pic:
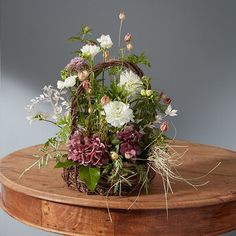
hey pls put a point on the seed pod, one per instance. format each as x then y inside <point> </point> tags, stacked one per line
<point>122,15</point>
<point>105,100</point>
<point>129,46</point>
<point>167,101</point>
<point>164,126</point>
<point>128,37</point>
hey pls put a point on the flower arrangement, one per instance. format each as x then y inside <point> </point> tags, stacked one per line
<point>112,124</point>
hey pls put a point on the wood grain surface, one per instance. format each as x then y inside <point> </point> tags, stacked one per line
<point>41,198</point>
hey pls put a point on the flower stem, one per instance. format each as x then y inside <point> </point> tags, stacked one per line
<point>121,22</point>
<point>52,122</point>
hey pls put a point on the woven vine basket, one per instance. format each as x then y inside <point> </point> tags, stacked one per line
<point>71,175</point>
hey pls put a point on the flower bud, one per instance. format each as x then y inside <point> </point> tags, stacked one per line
<point>87,86</point>
<point>83,75</point>
<point>164,126</point>
<point>89,110</point>
<point>163,96</point>
<point>143,92</point>
<point>129,46</point>
<point>127,37</point>
<point>149,92</point>
<point>114,155</point>
<point>130,154</point>
<point>105,100</point>
<point>122,15</point>
<point>167,101</point>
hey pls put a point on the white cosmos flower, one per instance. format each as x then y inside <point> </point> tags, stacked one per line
<point>131,82</point>
<point>105,41</point>
<point>90,50</point>
<point>70,81</point>
<point>118,113</point>
<point>60,84</point>
<point>170,112</point>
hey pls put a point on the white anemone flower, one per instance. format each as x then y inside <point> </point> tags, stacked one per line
<point>118,113</point>
<point>105,41</point>
<point>170,112</point>
<point>90,50</point>
<point>132,82</point>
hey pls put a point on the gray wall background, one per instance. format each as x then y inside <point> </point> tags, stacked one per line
<point>191,44</point>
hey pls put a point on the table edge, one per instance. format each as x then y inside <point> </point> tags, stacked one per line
<point>112,203</point>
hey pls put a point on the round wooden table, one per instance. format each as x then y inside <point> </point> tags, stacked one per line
<point>41,199</point>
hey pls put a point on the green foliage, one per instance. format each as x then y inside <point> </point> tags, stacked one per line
<point>90,175</point>
<point>117,93</point>
<point>138,59</point>
<point>64,74</point>
<point>85,30</point>
<point>65,124</point>
<point>65,164</point>
<point>145,111</point>
<point>81,37</point>
<point>50,146</point>
<point>115,70</point>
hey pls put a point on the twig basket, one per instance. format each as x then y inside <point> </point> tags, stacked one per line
<point>71,175</point>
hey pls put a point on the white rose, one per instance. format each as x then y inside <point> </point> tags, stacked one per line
<point>131,82</point>
<point>118,113</point>
<point>90,50</point>
<point>60,84</point>
<point>105,41</point>
<point>70,81</point>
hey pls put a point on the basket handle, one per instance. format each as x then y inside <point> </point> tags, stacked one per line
<point>99,67</point>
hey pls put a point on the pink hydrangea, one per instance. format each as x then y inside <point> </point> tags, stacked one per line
<point>87,150</point>
<point>76,64</point>
<point>130,138</point>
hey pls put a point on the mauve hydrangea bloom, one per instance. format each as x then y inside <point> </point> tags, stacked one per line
<point>76,64</point>
<point>87,150</point>
<point>129,135</point>
<point>130,146</point>
<point>129,150</point>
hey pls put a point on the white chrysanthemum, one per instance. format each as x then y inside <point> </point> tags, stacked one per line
<point>105,41</point>
<point>70,81</point>
<point>118,113</point>
<point>131,82</point>
<point>90,50</point>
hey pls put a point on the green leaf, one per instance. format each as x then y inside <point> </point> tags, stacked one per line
<point>85,30</point>
<point>82,40</point>
<point>66,164</point>
<point>64,74</point>
<point>90,175</point>
<point>139,59</point>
